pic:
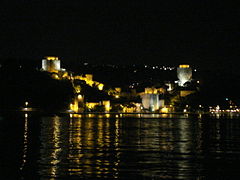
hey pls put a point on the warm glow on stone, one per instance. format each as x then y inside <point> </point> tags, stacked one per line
<point>100,86</point>
<point>184,66</point>
<point>51,58</point>
<point>164,110</point>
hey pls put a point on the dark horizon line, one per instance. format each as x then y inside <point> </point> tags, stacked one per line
<point>221,64</point>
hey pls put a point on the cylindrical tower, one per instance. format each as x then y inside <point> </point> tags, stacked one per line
<point>51,64</point>
<point>184,74</point>
<point>150,101</point>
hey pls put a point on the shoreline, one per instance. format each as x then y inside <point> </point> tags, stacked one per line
<point>37,111</point>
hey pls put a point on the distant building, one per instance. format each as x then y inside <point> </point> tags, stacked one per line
<point>184,74</point>
<point>170,86</point>
<point>153,90</point>
<point>51,64</point>
<point>186,93</point>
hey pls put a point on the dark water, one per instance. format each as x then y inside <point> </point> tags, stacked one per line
<point>180,147</point>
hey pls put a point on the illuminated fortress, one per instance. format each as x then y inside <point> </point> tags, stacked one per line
<point>152,97</point>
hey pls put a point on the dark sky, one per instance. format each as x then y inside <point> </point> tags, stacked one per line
<point>167,32</point>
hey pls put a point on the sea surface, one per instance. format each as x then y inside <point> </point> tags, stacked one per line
<point>198,147</point>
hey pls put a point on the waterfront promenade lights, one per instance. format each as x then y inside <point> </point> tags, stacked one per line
<point>25,107</point>
<point>230,103</point>
<point>26,104</point>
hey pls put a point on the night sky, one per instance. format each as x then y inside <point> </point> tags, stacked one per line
<point>167,32</point>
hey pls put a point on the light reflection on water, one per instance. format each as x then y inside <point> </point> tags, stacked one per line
<point>197,147</point>
<point>109,148</point>
<point>25,141</point>
<point>85,147</point>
